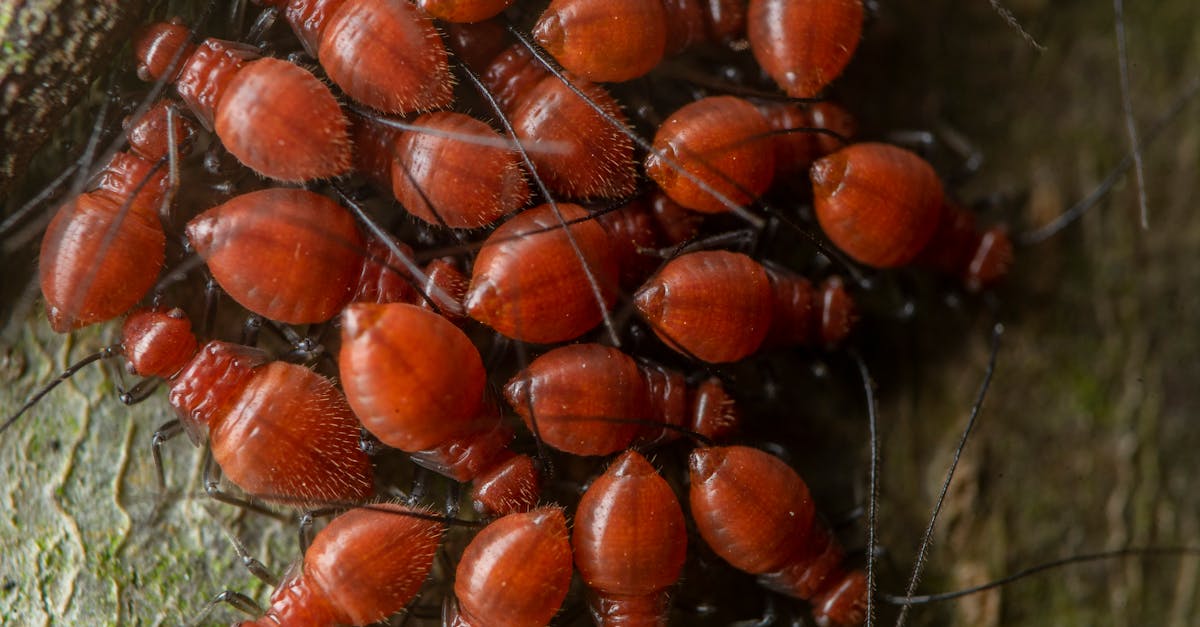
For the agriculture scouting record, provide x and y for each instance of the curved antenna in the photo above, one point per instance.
(873, 498)
(927, 539)
(10, 223)
(437, 296)
(909, 600)
(76, 169)
(110, 235)
(104, 353)
(548, 147)
(80, 172)
(1012, 22)
(1127, 108)
(1052, 228)
(542, 455)
(673, 68)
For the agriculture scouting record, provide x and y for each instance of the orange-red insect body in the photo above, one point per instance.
(795, 151)
(275, 117)
(463, 11)
(756, 513)
(382, 53)
(515, 572)
(530, 283)
(279, 431)
(720, 306)
(603, 40)
(721, 140)
(440, 176)
(104, 250)
(286, 254)
(577, 153)
(417, 383)
(804, 44)
(884, 206)
(298, 257)
(878, 203)
(958, 248)
(364, 566)
(643, 225)
(590, 399)
(630, 543)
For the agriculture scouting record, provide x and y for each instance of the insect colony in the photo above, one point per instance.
(634, 261)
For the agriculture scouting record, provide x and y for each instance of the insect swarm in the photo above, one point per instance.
(1100, 424)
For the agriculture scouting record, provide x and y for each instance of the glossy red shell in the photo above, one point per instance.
(804, 44)
(516, 571)
(530, 284)
(104, 250)
(604, 40)
(286, 254)
(414, 379)
(443, 178)
(282, 122)
(387, 55)
(364, 566)
(722, 141)
(630, 542)
(715, 306)
(878, 203)
(279, 431)
(587, 399)
(157, 343)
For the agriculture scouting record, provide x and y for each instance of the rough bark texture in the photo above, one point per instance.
(52, 51)
(1087, 441)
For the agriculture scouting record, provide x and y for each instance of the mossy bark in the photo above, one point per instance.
(52, 50)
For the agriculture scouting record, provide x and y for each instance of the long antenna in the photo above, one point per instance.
(873, 498)
(927, 539)
(1052, 228)
(104, 353)
(1127, 109)
(909, 600)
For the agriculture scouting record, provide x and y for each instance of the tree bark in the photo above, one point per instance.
(52, 51)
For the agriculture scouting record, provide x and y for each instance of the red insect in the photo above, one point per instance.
(439, 175)
(603, 40)
(884, 206)
(382, 53)
(364, 566)
(797, 143)
(643, 226)
(515, 572)
(535, 283)
(804, 44)
(630, 543)
(279, 431)
(719, 306)
(104, 250)
(756, 513)
(463, 11)
(577, 153)
(275, 117)
(722, 141)
(417, 383)
(298, 257)
(590, 399)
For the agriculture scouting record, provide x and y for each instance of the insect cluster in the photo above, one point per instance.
(573, 273)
